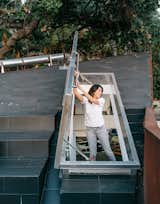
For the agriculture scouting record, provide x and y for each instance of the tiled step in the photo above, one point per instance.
(25, 144)
(21, 180)
(135, 111)
(138, 136)
(98, 190)
(27, 123)
(135, 117)
(136, 127)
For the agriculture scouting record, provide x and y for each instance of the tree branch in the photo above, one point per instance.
(5, 11)
(18, 35)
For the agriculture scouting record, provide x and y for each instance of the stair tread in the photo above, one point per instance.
(21, 167)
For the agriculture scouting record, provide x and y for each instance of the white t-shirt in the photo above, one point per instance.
(93, 113)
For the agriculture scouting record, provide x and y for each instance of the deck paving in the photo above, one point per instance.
(32, 92)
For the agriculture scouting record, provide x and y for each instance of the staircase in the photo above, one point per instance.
(94, 189)
(29, 102)
(23, 157)
(135, 119)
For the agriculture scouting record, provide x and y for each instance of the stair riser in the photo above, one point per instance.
(24, 148)
(98, 199)
(28, 123)
(136, 127)
(135, 111)
(18, 199)
(135, 118)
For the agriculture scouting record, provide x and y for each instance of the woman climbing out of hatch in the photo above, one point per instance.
(94, 121)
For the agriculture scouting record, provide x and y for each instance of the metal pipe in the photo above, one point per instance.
(33, 60)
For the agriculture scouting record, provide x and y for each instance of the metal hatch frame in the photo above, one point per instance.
(91, 166)
(66, 128)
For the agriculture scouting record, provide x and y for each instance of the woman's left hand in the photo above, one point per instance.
(76, 74)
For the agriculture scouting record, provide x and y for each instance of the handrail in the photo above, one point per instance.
(151, 158)
(31, 60)
(66, 101)
(63, 130)
(71, 68)
(72, 65)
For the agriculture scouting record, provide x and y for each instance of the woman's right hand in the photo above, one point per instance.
(76, 74)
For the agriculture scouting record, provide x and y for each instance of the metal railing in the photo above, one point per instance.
(32, 60)
(72, 66)
(127, 165)
(151, 159)
(67, 105)
(123, 166)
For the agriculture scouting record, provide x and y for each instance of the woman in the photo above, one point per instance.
(94, 120)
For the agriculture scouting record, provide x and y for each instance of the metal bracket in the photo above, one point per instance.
(2, 67)
(50, 60)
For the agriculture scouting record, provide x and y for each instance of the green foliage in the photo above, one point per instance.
(47, 8)
(156, 81)
(105, 28)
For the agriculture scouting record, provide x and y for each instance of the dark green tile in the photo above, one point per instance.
(30, 199)
(80, 186)
(75, 198)
(136, 127)
(118, 184)
(118, 198)
(3, 148)
(21, 185)
(9, 199)
(1, 184)
(135, 117)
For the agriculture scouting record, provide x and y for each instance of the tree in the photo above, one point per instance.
(18, 21)
(106, 27)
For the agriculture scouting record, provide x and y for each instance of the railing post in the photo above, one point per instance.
(2, 67)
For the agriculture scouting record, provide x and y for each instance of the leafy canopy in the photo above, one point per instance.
(106, 27)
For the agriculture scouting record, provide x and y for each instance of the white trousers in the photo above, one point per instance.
(101, 133)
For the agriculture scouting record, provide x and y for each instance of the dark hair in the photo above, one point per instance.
(94, 88)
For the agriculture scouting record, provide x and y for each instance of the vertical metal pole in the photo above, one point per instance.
(2, 67)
